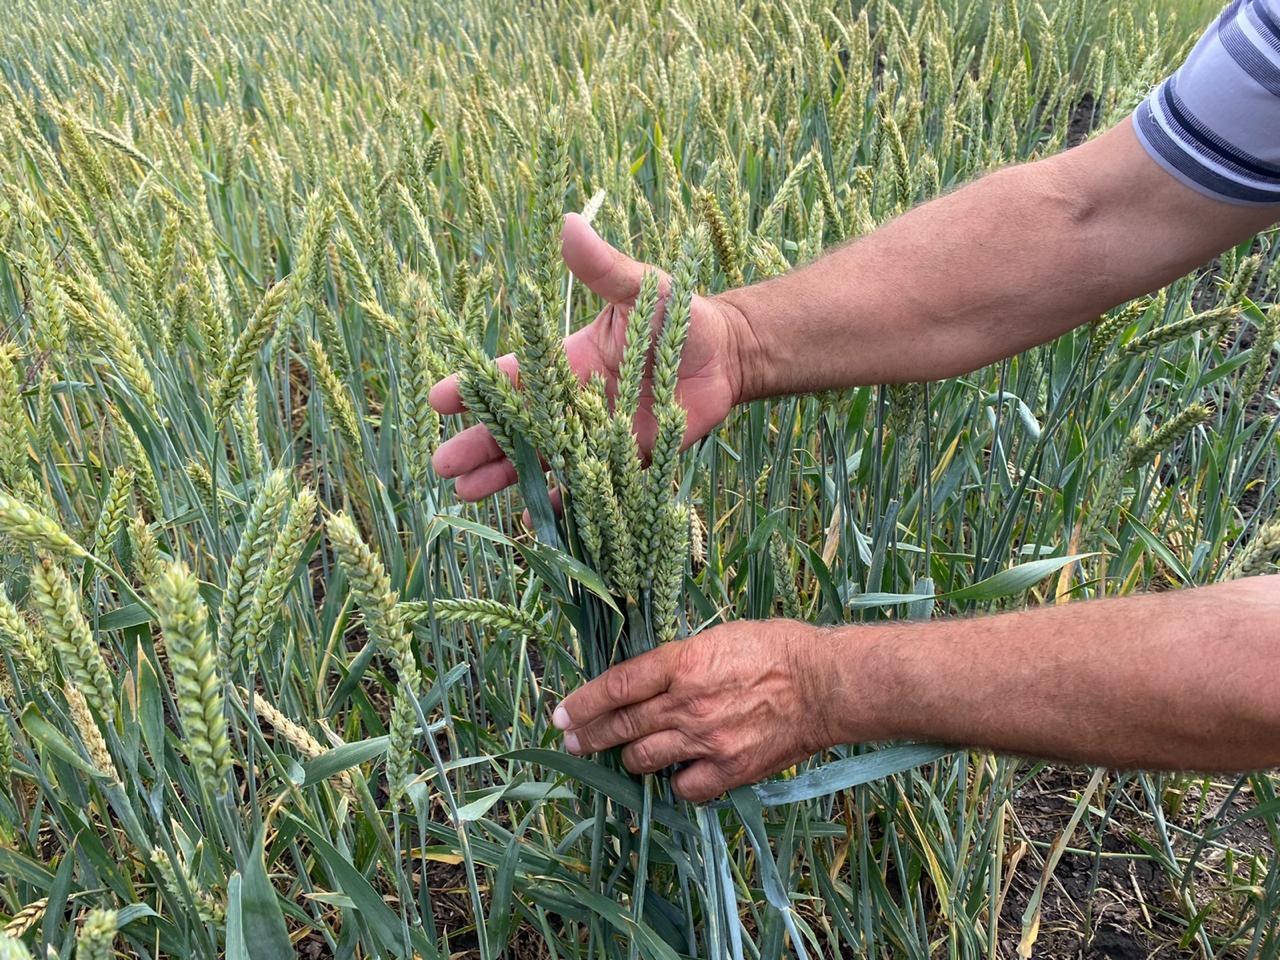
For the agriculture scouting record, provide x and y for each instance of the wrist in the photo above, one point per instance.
(740, 313)
(863, 677)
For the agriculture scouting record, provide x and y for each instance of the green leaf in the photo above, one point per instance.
(48, 737)
(237, 949)
(548, 562)
(265, 934)
(373, 910)
(18, 867)
(1014, 580)
(134, 911)
(130, 615)
(747, 802)
(575, 895)
(533, 488)
(842, 774)
(1161, 550)
(332, 762)
(468, 526)
(1006, 583)
(616, 786)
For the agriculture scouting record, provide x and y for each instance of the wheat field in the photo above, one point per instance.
(270, 688)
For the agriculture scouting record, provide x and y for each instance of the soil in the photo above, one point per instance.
(1120, 904)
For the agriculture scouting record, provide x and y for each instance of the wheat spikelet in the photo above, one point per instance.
(119, 143)
(97, 934)
(49, 317)
(298, 738)
(6, 748)
(146, 551)
(245, 418)
(78, 652)
(207, 908)
(139, 462)
(636, 347)
(210, 318)
(1139, 450)
(475, 610)
(629, 486)
(13, 419)
(1143, 449)
(198, 687)
(722, 241)
(22, 643)
(1242, 279)
(141, 302)
(286, 554)
(247, 564)
(97, 320)
(400, 736)
(671, 550)
(486, 390)
(11, 948)
(92, 169)
(1260, 361)
(1178, 329)
(115, 506)
(26, 918)
(94, 744)
(372, 588)
(251, 340)
(419, 422)
(336, 397)
(670, 416)
(368, 579)
(1259, 555)
(784, 581)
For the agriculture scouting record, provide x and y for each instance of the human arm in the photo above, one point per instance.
(1009, 261)
(1186, 680)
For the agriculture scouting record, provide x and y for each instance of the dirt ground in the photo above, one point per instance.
(1120, 905)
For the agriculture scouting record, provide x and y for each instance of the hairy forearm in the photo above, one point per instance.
(1187, 680)
(1005, 263)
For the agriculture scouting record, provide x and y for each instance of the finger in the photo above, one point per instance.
(445, 398)
(660, 750)
(632, 681)
(557, 504)
(700, 782)
(607, 272)
(485, 481)
(621, 726)
(463, 452)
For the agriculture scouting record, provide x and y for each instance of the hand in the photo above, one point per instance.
(710, 379)
(738, 702)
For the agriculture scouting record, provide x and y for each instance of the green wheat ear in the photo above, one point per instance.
(29, 525)
(97, 934)
(12, 949)
(78, 652)
(197, 682)
(1259, 556)
(246, 566)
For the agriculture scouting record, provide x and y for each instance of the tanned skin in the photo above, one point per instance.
(1184, 680)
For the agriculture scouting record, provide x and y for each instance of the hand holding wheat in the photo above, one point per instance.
(711, 379)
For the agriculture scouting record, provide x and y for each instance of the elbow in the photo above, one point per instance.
(1064, 187)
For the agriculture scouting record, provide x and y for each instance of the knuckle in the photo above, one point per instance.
(626, 725)
(639, 758)
(617, 685)
(700, 708)
(736, 766)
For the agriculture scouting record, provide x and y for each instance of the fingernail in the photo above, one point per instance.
(560, 718)
(571, 742)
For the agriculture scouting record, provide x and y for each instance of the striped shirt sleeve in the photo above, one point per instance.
(1215, 123)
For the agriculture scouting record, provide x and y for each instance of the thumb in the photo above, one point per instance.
(607, 272)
